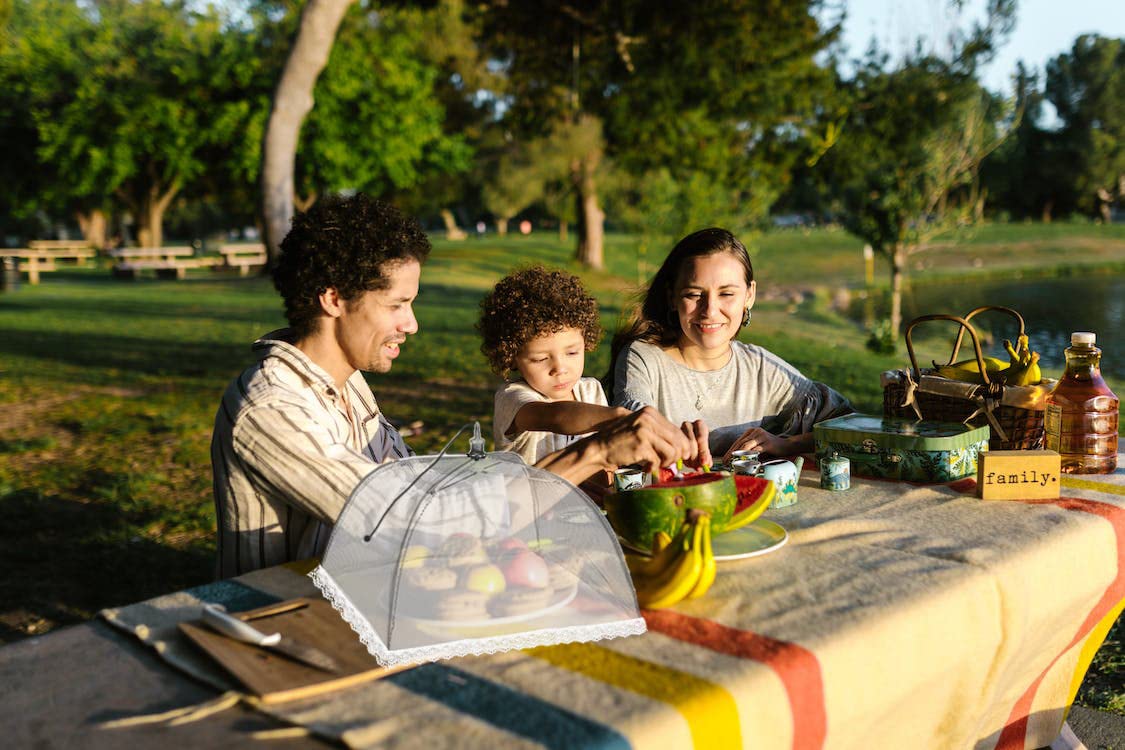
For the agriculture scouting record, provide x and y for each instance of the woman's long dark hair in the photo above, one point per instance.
(656, 321)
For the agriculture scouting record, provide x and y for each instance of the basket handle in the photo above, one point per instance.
(961, 331)
(964, 327)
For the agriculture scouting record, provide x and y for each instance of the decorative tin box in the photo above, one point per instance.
(892, 448)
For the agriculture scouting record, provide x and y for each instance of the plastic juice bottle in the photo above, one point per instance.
(1081, 419)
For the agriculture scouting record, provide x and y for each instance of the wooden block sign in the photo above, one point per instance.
(1018, 475)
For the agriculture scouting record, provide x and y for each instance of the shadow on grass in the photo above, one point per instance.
(137, 355)
(86, 299)
(64, 560)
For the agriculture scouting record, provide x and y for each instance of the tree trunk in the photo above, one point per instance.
(93, 227)
(562, 230)
(501, 226)
(291, 103)
(1104, 199)
(898, 270)
(304, 204)
(149, 214)
(452, 231)
(1048, 207)
(591, 218)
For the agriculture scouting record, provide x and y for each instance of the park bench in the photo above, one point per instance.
(41, 256)
(165, 262)
(243, 257)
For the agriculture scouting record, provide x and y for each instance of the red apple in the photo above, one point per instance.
(525, 568)
(511, 543)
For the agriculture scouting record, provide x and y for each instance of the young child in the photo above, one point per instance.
(540, 324)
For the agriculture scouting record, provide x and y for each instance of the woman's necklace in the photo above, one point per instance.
(701, 396)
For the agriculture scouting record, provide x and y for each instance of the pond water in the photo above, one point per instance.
(1051, 308)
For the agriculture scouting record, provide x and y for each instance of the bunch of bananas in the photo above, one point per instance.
(1022, 368)
(680, 567)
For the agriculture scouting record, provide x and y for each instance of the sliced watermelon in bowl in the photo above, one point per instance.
(754, 495)
(636, 515)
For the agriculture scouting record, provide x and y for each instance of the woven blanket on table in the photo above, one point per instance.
(895, 616)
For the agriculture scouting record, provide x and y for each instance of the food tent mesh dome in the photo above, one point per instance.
(441, 556)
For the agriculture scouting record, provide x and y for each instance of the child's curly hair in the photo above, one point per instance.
(530, 303)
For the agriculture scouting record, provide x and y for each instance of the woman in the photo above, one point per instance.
(680, 355)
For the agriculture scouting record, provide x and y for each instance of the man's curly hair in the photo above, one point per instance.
(530, 303)
(346, 243)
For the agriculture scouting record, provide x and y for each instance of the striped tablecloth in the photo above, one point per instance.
(896, 616)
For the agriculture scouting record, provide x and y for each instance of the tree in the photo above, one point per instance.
(124, 101)
(516, 184)
(1025, 175)
(721, 87)
(904, 165)
(1087, 88)
(377, 126)
(380, 124)
(291, 104)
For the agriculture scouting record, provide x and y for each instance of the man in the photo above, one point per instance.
(296, 432)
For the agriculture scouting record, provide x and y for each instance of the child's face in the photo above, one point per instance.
(552, 364)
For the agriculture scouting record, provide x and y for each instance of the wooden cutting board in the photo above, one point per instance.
(273, 677)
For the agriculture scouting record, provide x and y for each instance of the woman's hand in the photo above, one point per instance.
(757, 439)
(697, 433)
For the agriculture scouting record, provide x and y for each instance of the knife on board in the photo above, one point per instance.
(219, 620)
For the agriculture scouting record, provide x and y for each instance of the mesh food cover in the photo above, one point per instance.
(450, 555)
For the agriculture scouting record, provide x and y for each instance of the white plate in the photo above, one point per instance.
(751, 540)
(755, 538)
(559, 600)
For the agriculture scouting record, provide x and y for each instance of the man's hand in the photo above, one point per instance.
(697, 433)
(645, 438)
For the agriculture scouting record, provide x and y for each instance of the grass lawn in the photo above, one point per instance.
(108, 391)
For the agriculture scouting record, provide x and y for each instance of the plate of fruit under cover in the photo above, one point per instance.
(523, 601)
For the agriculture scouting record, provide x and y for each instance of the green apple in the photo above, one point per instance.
(487, 579)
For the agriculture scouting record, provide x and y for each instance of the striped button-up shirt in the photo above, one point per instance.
(287, 451)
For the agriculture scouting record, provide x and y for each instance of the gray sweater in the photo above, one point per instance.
(754, 389)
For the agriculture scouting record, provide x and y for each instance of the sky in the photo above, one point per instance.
(1043, 29)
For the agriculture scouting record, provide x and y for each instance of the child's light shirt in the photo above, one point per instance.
(534, 445)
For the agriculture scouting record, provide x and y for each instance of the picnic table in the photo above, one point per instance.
(243, 257)
(895, 616)
(171, 262)
(41, 256)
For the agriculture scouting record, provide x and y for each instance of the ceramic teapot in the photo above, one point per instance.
(784, 475)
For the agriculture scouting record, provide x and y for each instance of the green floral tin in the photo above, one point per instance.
(910, 450)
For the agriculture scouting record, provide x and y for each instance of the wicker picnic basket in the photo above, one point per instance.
(1014, 413)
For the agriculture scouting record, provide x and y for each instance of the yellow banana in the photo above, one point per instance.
(710, 567)
(1024, 368)
(662, 558)
(660, 540)
(971, 365)
(968, 370)
(1023, 374)
(677, 580)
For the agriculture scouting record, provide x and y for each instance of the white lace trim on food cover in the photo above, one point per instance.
(469, 647)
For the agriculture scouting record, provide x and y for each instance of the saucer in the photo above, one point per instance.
(751, 540)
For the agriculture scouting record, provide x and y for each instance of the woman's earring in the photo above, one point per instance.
(746, 317)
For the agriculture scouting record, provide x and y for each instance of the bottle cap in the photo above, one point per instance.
(1083, 338)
